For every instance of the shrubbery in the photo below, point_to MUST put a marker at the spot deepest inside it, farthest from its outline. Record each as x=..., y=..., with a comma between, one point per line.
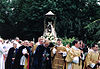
x=66, y=40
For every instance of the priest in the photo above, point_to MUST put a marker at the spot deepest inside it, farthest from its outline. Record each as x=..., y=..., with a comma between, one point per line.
x=58, y=55
x=42, y=57
x=11, y=56
x=74, y=58
x=93, y=58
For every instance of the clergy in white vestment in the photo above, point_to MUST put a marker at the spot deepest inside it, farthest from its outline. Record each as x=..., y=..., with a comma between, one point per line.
x=2, y=51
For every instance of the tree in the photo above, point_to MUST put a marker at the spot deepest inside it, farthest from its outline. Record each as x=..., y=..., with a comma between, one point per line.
x=93, y=31
x=24, y=18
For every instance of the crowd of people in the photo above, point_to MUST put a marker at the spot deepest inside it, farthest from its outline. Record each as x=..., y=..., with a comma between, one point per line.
x=18, y=54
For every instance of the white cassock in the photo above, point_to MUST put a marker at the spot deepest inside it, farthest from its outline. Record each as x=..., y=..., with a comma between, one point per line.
x=2, y=61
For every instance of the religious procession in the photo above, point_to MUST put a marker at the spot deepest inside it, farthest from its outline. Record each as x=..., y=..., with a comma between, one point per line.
x=18, y=54
x=33, y=37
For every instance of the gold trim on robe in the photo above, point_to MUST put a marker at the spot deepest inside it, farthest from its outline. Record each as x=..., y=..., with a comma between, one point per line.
x=70, y=56
x=58, y=60
x=91, y=58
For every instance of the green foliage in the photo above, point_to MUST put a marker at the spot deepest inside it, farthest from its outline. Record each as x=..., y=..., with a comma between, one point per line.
x=66, y=40
x=93, y=30
x=25, y=18
x=2, y=21
x=90, y=42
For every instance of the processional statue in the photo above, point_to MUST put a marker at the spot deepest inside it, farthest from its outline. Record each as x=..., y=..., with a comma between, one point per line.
x=49, y=26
